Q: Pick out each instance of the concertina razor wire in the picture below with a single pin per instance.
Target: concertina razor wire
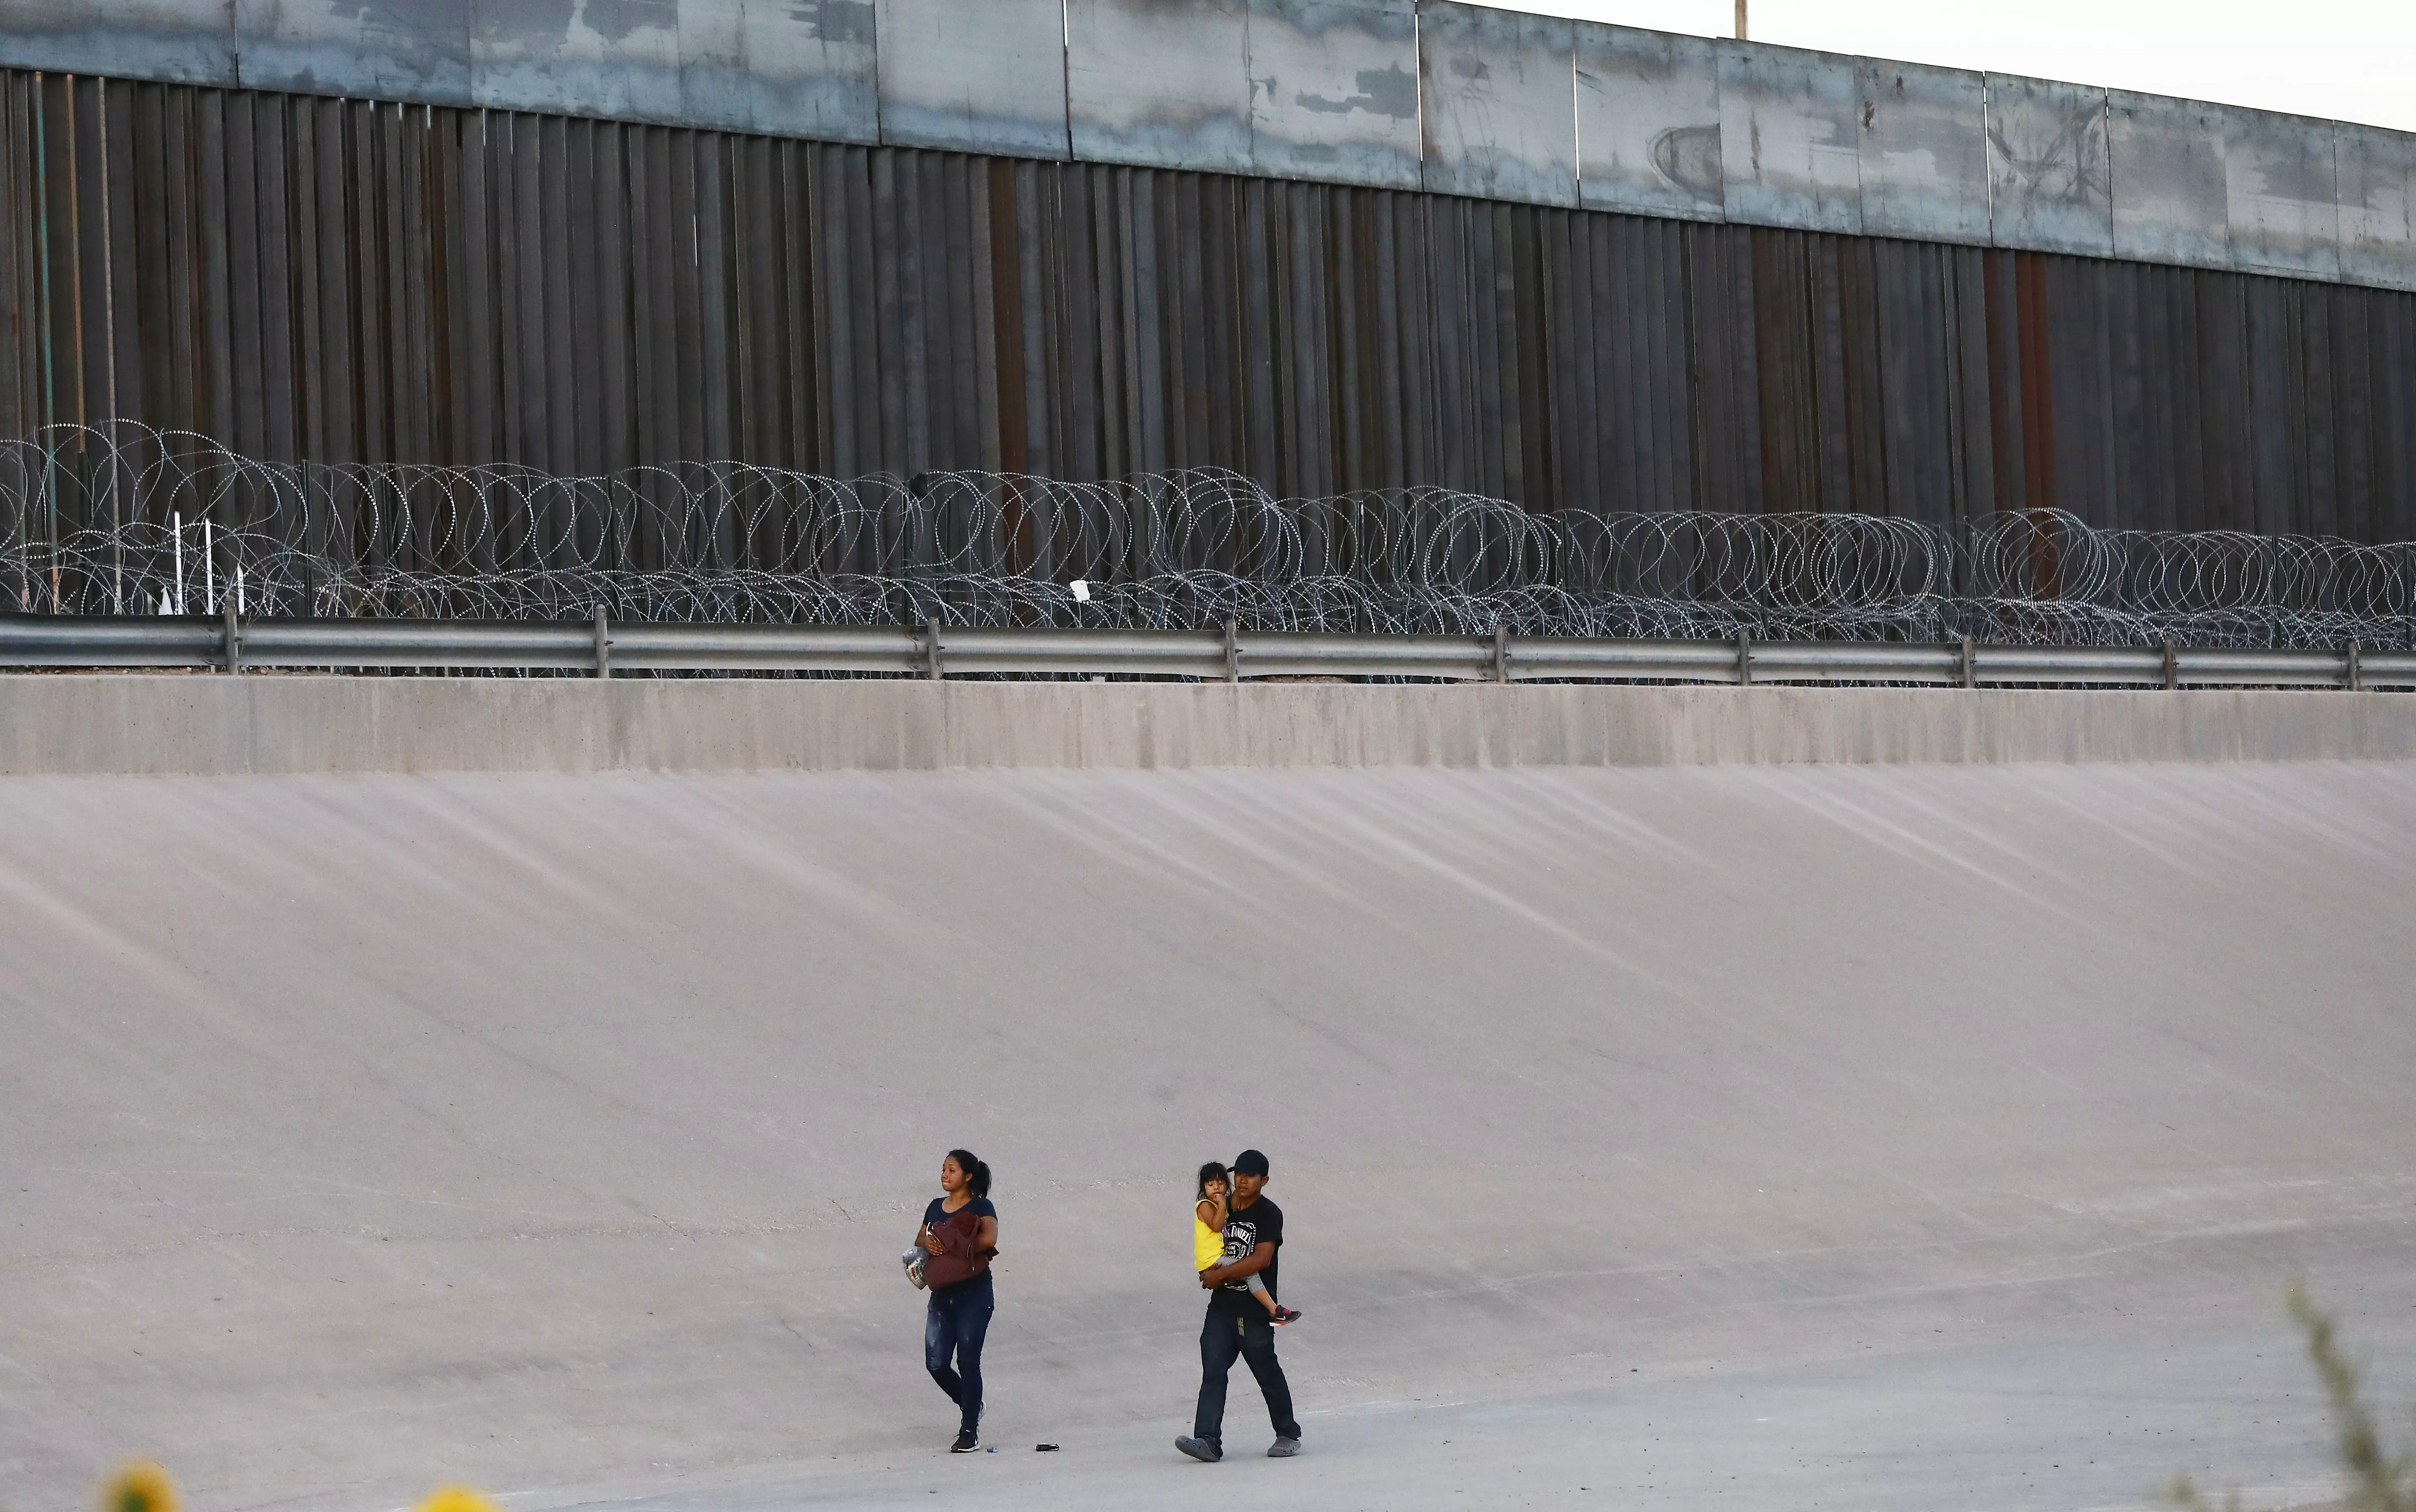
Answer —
(122, 518)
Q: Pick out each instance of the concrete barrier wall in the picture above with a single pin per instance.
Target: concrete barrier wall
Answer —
(207, 725)
(1499, 103)
(2050, 170)
(1511, 106)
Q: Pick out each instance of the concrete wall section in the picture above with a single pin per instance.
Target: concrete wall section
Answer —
(620, 60)
(413, 50)
(1924, 158)
(1334, 91)
(205, 725)
(984, 76)
(2282, 194)
(2171, 194)
(2377, 205)
(1499, 103)
(716, 85)
(1159, 84)
(1649, 123)
(807, 66)
(1789, 138)
(2049, 187)
(178, 41)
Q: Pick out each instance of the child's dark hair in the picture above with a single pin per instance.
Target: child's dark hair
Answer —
(1213, 1171)
(976, 1173)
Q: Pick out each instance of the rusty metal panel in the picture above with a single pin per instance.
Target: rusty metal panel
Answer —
(2377, 206)
(1334, 90)
(2171, 203)
(181, 41)
(2281, 187)
(2048, 181)
(975, 75)
(1925, 152)
(618, 59)
(1499, 97)
(1790, 148)
(808, 68)
(410, 50)
(1648, 123)
(1162, 83)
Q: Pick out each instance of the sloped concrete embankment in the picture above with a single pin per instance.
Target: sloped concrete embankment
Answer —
(558, 1131)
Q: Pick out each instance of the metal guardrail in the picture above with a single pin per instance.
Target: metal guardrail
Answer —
(604, 648)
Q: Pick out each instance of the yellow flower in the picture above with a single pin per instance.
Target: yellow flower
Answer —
(141, 1487)
(457, 1499)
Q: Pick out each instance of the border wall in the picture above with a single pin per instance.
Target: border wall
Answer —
(1329, 245)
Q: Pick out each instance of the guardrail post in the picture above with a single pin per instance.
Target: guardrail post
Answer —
(603, 644)
(2354, 671)
(233, 639)
(931, 667)
(2172, 668)
(1501, 651)
(1745, 659)
(1232, 651)
(1971, 672)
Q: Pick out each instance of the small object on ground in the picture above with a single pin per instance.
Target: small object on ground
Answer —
(967, 1442)
(912, 1260)
(140, 1487)
(1200, 1449)
(1283, 1448)
(1286, 1315)
(1044, 1448)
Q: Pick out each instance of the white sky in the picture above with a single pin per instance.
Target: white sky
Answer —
(2352, 60)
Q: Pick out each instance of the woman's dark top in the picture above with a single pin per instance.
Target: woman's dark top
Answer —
(936, 1215)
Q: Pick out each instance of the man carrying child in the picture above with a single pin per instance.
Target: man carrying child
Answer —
(1237, 1326)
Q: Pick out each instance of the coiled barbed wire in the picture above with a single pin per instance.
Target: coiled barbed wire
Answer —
(122, 519)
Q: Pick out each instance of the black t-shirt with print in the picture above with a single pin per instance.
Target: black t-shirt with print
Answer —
(1260, 1223)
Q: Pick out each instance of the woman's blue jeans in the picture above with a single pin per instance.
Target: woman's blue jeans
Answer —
(954, 1324)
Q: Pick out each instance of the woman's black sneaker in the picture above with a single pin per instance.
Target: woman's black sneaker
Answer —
(967, 1442)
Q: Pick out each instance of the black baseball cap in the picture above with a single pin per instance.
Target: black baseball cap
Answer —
(1249, 1163)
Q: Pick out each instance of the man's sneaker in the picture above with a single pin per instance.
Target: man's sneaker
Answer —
(967, 1442)
(1283, 1448)
(1285, 1315)
(1200, 1449)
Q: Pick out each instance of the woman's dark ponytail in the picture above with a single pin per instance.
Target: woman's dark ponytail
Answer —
(976, 1172)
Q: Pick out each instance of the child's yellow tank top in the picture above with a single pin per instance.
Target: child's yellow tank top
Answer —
(1207, 1245)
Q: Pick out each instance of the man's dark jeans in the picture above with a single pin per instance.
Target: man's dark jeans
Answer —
(1238, 1328)
(955, 1321)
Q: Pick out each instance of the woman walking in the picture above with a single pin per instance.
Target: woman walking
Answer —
(959, 1235)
